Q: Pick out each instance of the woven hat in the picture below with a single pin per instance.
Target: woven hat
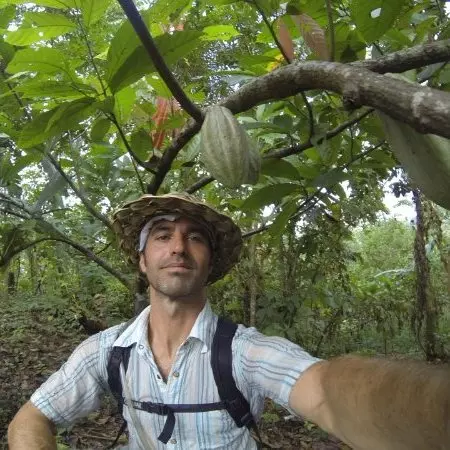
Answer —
(131, 218)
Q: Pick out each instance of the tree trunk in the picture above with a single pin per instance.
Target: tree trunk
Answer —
(253, 283)
(425, 308)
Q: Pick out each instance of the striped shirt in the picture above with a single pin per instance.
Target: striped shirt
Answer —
(263, 367)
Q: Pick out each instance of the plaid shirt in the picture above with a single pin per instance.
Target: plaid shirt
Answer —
(262, 367)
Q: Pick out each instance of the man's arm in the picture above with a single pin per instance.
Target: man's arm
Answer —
(31, 430)
(374, 404)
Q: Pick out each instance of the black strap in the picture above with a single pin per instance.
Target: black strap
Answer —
(163, 409)
(221, 363)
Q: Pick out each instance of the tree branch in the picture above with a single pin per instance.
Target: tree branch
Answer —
(133, 155)
(316, 196)
(276, 85)
(147, 41)
(171, 152)
(78, 193)
(425, 109)
(292, 150)
(331, 30)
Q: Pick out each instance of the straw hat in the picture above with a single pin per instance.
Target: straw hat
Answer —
(131, 218)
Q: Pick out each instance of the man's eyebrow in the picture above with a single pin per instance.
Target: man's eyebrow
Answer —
(161, 227)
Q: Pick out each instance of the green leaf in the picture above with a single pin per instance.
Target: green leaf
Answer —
(167, 11)
(374, 17)
(141, 143)
(279, 168)
(54, 89)
(128, 61)
(6, 15)
(289, 208)
(219, 33)
(53, 187)
(93, 10)
(269, 194)
(99, 129)
(47, 26)
(41, 60)
(123, 103)
(66, 116)
(6, 52)
(330, 178)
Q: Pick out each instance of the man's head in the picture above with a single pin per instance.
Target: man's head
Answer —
(136, 222)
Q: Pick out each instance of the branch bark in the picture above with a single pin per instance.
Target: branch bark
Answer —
(425, 109)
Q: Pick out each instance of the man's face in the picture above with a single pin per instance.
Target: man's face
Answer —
(177, 258)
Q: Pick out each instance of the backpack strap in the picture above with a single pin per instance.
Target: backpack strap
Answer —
(118, 356)
(221, 363)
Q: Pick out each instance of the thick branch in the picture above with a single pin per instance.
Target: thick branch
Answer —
(425, 109)
(147, 41)
(278, 81)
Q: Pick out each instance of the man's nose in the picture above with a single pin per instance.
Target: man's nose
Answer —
(178, 243)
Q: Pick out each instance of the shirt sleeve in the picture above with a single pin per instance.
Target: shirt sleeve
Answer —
(269, 364)
(75, 389)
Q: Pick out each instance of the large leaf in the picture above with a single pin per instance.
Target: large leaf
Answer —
(374, 17)
(269, 194)
(128, 61)
(58, 4)
(313, 35)
(279, 168)
(6, 15)
(40, 26)
(66, 116)
(52, 188)
(219, 32)
(41, 60)
(93, 10)
(54, 89)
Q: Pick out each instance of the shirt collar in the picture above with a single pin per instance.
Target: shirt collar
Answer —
(203, 329)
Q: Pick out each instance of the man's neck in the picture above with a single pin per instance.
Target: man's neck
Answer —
(170, 323)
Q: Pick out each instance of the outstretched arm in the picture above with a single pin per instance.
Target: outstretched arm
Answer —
(31, 430)
(374, 403)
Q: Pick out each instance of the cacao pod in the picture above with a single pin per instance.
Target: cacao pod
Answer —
(425, 158)
(227, 151)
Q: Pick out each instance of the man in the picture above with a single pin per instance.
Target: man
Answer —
(183, 245)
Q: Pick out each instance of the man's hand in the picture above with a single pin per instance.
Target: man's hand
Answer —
(374, 404)
(31, 430)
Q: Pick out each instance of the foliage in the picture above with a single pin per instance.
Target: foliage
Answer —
(87, 121)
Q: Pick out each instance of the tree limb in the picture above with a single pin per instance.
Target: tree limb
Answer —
(78, 193)
(249, 95)
(147, 41)
(425, 109)
(292, 150)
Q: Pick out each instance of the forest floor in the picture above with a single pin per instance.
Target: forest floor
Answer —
(35, 346)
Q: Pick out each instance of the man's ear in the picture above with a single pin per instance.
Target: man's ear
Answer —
(142, 264)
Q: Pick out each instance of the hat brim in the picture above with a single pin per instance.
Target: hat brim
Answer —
(131, 218)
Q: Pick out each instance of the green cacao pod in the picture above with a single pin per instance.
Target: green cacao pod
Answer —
(425, 158)
(227, 151)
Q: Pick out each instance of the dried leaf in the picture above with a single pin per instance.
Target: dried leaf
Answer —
(285, 39)
(313, 35)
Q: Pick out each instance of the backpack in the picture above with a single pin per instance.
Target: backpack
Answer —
(221, 363)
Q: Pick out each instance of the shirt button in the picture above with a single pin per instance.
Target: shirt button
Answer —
(176, 374)
(173, 441)
(141, 346)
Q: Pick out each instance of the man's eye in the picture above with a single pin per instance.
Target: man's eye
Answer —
(162, 237)
(197, 237)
